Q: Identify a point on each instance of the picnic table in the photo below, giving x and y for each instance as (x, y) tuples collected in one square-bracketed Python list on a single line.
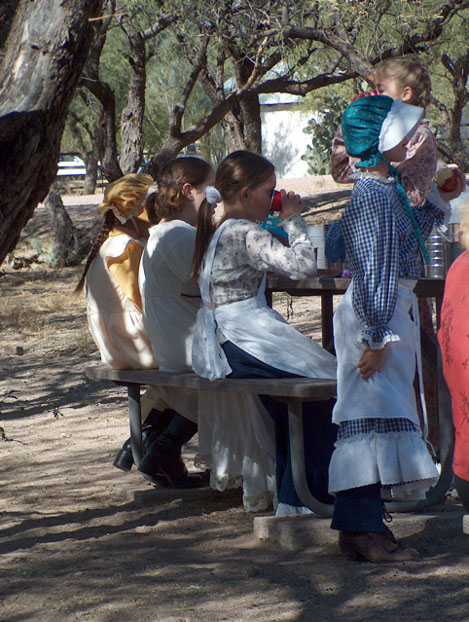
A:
[(293, 391)]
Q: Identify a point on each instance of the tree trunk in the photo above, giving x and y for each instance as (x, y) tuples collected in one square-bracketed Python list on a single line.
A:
[(252, 125), (7, 12), (233, 127), (132, 115), (44, 55), (62, 228), (105, 137), (460, 77), (249, 106), (71, 245), (91, 160), (453, 147)]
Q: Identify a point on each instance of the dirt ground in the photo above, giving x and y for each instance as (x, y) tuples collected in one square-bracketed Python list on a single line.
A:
[(83, 541)]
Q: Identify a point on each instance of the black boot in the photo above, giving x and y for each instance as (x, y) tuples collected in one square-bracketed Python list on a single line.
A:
[(163, 457), (154, 425)]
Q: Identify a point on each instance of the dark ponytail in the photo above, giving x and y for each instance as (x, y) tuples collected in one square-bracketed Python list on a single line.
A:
[(205, 229)]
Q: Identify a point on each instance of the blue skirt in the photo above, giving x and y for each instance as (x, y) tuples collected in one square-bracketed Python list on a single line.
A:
[(319, 431)]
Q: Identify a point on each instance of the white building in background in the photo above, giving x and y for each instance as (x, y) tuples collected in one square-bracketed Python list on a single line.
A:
[(283, 139)]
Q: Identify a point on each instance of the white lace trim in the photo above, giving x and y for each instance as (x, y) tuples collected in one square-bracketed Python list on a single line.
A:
[(409, 490), (379, 345), (259, 503), (225, 482)]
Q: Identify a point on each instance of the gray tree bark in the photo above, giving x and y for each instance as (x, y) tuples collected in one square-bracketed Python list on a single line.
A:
[(132, 114), (43, 56), (71, 245)]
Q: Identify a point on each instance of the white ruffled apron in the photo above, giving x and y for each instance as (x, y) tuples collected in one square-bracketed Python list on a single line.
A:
[(393, 458), (255, 328)]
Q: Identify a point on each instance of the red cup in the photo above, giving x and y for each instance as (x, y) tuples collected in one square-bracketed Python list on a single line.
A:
[(276, 203)]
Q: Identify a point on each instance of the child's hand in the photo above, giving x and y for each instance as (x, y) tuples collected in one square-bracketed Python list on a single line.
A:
[(291, 205), (370, 362), (460, 187)]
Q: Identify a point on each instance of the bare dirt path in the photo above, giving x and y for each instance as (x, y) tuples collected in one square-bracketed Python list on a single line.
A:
[(82, 541)]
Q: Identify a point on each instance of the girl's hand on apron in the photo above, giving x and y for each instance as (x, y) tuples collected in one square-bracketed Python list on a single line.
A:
[(370, 362)]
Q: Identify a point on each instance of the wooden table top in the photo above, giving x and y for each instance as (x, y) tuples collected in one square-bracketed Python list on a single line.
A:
[(327, 283)]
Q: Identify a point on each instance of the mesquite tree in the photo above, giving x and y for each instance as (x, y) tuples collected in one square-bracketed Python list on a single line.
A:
[(41, 62)]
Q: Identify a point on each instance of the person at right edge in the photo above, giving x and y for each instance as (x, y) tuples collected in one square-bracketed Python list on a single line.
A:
[(454, 342), (380, 452)]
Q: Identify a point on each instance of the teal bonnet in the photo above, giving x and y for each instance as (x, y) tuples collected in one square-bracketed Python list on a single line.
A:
[(361, 127), (375, 124)]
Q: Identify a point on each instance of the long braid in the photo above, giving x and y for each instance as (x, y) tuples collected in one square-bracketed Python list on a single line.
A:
[(396, 175), (109, 222)]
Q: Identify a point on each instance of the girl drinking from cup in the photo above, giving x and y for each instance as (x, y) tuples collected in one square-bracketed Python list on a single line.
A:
[(237, 335)]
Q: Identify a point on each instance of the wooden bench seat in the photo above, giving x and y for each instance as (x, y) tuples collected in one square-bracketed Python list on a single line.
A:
[(293, 391)]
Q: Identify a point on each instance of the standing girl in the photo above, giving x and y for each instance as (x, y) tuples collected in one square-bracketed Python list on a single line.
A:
[(237, 334), (408, 80), (379, 450)]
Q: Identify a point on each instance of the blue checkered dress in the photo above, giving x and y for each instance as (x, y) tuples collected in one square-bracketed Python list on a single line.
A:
[(381, 248)]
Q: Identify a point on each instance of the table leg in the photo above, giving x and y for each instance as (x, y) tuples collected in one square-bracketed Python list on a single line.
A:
[(297, 451), (135, 422), (327, 310)]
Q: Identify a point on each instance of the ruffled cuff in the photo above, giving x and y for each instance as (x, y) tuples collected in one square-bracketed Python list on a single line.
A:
[(377, 337), (294, 226)]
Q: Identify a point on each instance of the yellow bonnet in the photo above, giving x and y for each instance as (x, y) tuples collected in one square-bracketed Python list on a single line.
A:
[(125, 196)]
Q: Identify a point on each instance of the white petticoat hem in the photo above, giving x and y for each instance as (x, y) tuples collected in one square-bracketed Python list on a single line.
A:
[(399, 460), (251, 502)]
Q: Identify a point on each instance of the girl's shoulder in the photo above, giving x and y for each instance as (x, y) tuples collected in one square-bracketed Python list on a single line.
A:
[(171, 229), (237, 227), (371, 194), (170, 234), (368, 184), (422, 138), (116, 244)]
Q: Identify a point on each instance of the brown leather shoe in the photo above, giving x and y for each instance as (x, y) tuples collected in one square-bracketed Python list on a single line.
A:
[(375, 547)]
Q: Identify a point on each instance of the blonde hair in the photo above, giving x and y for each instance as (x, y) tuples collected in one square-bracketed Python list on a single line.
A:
[(169, 198), (125, 196), (123, 199), (407, 71), (238, 170)]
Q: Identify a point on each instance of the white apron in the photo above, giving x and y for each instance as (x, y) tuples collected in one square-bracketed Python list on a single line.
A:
[(393, 458), (255, 328)]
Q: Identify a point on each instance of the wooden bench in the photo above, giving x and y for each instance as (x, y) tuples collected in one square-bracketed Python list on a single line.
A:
[(293, 391)]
